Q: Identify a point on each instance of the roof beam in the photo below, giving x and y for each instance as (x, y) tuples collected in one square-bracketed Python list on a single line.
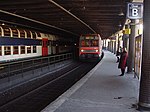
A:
[(72, 15), (5, 12)]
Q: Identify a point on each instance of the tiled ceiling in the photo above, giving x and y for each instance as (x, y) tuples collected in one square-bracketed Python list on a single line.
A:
[(66, 17)]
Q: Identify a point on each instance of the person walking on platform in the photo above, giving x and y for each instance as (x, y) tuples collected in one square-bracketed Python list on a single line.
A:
[(123, 61)]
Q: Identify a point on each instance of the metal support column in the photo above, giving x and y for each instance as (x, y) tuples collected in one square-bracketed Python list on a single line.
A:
[(114, 47), (131, 46), (126, 38), (117, 41), (144, 96), (125, 41)]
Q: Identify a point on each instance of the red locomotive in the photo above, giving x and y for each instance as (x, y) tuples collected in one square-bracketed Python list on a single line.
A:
[(90, 47)]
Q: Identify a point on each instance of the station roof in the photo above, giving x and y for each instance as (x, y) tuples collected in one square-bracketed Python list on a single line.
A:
[(66, 17)]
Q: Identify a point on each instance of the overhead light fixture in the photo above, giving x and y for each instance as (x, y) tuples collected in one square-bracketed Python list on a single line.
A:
[(84, 8), (120, 25), (121, 13)]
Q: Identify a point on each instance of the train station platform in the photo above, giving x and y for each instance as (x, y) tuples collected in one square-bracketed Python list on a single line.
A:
[(100, 90)]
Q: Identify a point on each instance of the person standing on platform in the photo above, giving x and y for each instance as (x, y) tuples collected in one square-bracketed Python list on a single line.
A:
[(123, 61), (118, 54)]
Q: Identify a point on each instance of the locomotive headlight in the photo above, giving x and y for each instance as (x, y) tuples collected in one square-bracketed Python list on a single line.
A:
[(82, 50), (96, 50)]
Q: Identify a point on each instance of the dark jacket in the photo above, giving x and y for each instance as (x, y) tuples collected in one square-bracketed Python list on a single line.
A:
[(117, 53), (123, 60)]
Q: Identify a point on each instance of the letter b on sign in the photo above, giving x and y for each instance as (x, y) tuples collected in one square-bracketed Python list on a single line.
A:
[(135, 10)]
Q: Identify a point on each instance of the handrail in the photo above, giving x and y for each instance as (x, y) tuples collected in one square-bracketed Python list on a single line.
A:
[(3, 64), (9, 69)]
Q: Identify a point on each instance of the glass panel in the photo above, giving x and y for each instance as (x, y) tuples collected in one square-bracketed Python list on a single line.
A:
[(82, 43), (14, 32), (28, 34), (34, 49), (89, 43), (22, 50), (28, 49), (7, 50), (15, 50), (22, 33), (38, 34), (6, 31), (94, 43), (33, 35)]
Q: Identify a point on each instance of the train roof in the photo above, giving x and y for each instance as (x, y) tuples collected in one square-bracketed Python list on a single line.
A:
[(90, 35)]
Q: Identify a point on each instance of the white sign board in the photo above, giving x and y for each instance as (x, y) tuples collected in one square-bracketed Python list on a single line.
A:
[(135, 10)]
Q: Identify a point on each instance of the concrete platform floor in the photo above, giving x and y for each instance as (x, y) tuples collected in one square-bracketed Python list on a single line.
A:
[(101, 90)]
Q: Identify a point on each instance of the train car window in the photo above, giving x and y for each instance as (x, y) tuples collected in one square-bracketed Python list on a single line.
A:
[(28, 49), (7, 50), (87, 43), (38, 34), (0, 50), (15, 32), (82, 43), (96, 37), (6, 31), (34, 49), (49, 42), (52, 43), (22, 50), (94, 43), (15, 50), (33, 35), (28, 34), (22, 33), (81, 37)]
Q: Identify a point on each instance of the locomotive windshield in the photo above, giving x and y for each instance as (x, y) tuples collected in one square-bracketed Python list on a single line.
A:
[(89, 41)]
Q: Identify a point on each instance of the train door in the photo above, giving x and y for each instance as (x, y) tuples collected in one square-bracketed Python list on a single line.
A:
[(44, 46)]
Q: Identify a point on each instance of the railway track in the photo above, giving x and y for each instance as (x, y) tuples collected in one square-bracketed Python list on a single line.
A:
[(40, 97)]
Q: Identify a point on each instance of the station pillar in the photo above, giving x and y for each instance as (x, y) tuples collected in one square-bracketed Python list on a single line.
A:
[(131, 51), (111, 46), (118, 42), (114, 47), (125, 41), (104, 44), (108, 46), (144, 95), (126, 38)]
